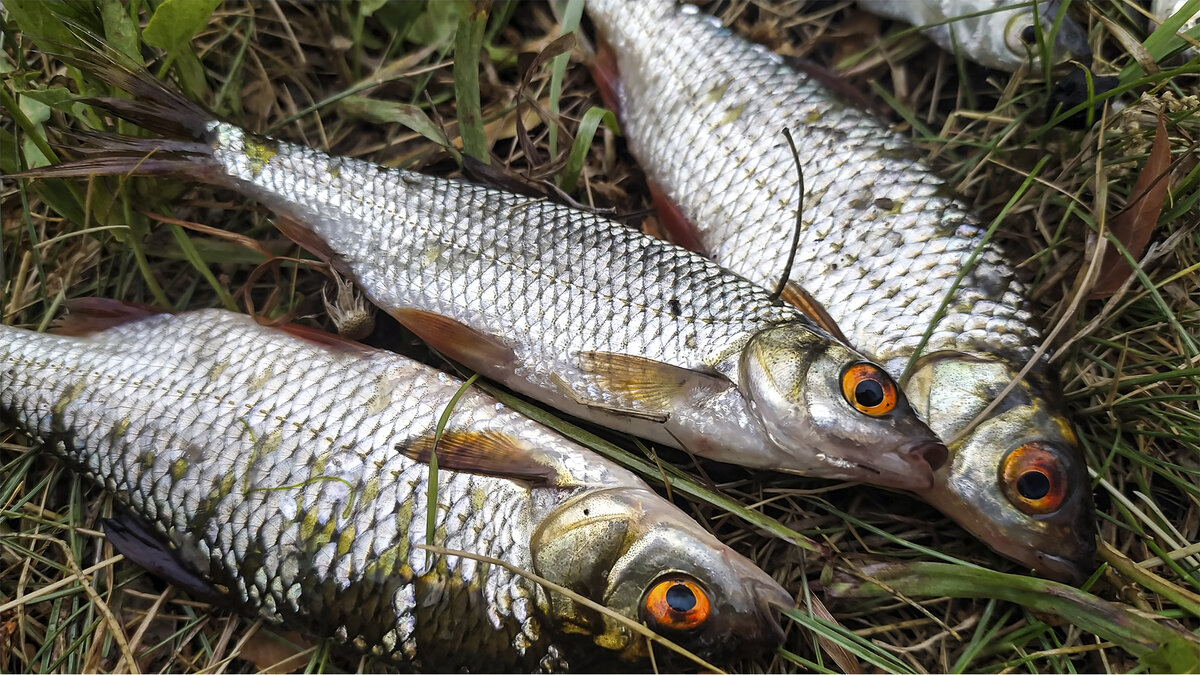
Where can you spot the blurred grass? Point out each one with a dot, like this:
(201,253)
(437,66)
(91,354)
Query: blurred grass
(381,81)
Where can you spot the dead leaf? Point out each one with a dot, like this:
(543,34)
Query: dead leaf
(1133,226)
(840,655)
(277,652)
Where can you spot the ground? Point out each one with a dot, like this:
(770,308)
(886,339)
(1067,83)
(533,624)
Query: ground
(379,81)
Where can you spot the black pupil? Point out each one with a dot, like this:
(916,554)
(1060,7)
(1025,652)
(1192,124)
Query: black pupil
(868,393)
(1029,35)
(1033,485)
(681,598)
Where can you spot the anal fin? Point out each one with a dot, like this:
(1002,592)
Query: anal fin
(457,341)
(489,453)
(137,540)
(794,294)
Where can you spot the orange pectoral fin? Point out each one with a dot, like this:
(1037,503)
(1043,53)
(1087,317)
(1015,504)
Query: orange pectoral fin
(679,230)
(457,341)
(489,453)
(86,316)
(794,294)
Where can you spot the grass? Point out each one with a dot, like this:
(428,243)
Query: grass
(382,82)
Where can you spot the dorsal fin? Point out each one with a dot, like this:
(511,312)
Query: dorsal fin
(795,295)
(488,453)
(86,316)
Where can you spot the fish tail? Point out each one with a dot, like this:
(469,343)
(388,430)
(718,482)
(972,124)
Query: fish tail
(188,130)
(113,155)
(154,105)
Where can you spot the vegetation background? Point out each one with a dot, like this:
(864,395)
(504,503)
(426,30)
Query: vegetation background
(884,583)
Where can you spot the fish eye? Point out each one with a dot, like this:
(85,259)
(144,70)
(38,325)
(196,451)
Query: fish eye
(869,389)
(1029,35)
(1034,479)
(677,604)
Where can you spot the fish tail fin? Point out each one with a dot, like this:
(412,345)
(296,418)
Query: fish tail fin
(188,129)
(112,155)
(154,106)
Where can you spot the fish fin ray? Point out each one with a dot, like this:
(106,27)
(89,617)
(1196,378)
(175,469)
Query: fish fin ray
(489,453)
(457,341)
(603,67)
(321,338)
(308,240)
(679,230)
(795,295)
(641,387)
(138,541)
(88,316)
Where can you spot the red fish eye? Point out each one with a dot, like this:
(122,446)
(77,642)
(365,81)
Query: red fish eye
(677,604)
(869,389)
(1034,479)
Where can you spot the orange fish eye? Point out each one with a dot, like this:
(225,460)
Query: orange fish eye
(869,389)
(677,604)
(1033,479)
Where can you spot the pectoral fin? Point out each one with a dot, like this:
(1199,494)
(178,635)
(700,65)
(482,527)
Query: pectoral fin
(138,541)
(490,453)
(637,386)
(457,341)
(794,294)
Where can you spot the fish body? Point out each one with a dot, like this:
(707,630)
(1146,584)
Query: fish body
(1162,10)
(282,473)
(565,306)
(1001,34)
(883,243)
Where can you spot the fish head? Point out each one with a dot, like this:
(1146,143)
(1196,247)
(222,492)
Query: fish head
(815,397)
(638,555)
(1017,479)
(1006,39)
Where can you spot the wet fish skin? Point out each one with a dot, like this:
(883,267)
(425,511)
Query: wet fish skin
(1004,37)
(276,467)
(562,305)
(882,246)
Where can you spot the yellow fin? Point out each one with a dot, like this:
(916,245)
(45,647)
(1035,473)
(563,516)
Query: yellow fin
(642,387)
(794,294)
(490,453)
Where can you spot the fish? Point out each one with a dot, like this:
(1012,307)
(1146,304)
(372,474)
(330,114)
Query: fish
(284,473)
(1000,34)
(882,242)
(563,305)
(1163,10)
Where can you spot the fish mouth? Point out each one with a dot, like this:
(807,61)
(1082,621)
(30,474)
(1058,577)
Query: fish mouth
(909,467)
(1073,570)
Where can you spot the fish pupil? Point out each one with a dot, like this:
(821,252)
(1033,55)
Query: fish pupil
(1029,35)
(1033,485)
(869,393)
(681,598)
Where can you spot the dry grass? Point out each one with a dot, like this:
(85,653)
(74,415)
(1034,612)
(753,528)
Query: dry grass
(330,76)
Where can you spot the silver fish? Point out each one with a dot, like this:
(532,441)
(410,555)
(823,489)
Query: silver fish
(882,244)
(285,472)
(565,306)
(1001,34)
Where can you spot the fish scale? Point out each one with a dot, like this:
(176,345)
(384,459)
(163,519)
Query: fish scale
(885,248)
(303,509)
(567,307)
